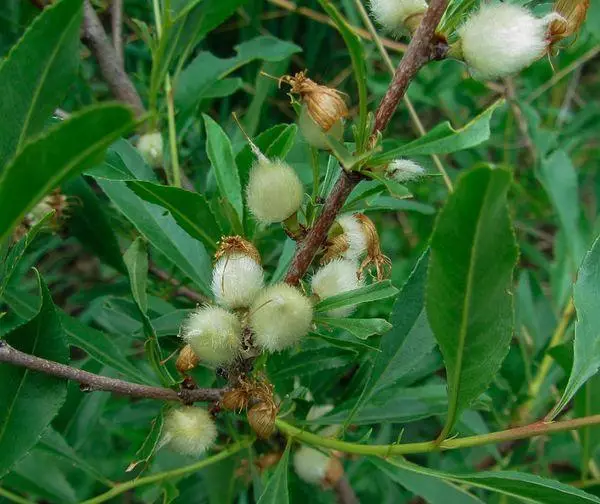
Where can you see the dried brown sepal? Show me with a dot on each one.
(261, 418)
(335, 247)
(375, 257)
(325, 105)
(572, 15)
(236, 244)
(54, 201)
(335, 472)
(235, 400)
(187, 360)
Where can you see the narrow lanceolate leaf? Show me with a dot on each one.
(37, 73)
(136, 260)
(469, 299)
(276, 491)
(361, 328)
(191, 210)
(586, 296)
(28, 400)
(63, 152)
(373, 292)
(526, 487)
(222, 159)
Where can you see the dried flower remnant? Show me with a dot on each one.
(187, 359)
(570, 16)
(375, 257)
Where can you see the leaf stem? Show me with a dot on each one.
(538, 380)
(524, 432)
(14, 497)
(181, 471)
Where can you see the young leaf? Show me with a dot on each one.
(191, 210)
(361, 328)
(444, 139)
(37, 73)
(28, 400)
(586, 296)
(373, 292)
(469, 299)
(276, 491)
(63, 152)
(220, 153)
(523, 486)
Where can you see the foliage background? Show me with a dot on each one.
(546, 134)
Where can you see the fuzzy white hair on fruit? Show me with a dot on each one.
(502, 39)
(150, 146)
(213, 333)
(279, 317)
(274, 191)
(392, 14)
(355, 236)
(336, 277)
(237, 280)
(311, 465)
(314, 134)
(404, 170)
(188, 430)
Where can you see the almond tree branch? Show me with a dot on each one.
(94, 382)
(422, 48)
(344, 492)
(116, 14)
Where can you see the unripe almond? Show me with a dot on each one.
(189, 430)
(150, 146)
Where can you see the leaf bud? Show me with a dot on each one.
(280, 316)
(187, 360)
(150, 146)
(237, 274)
(502, 39)
(316, 468)
(188, 430)
(404, 170)
(398, 15)
(213, 333)
(336, 277)
(274, 191)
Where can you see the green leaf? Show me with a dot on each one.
(373, 292)
(61, 153)
(285, 259)
(100, 347)
(557, 175)
(89, 223)
(586, 296)
(163, 232)
(150, 444)
(37, 73)
(28, 400)
(136, 260)
(408, 344)
(189, 209)
(357, 54)
(220, 153)
(276, 490)
(199, 78)
(528, 487)
(469, 298)
(361, 328)
(433, 489)
(444, 139)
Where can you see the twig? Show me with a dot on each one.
(94, 382)
(116, 13)
(119, 82)
(323, 18)
(420, 51)
(181, 290)
(344, 492)
(511, 96)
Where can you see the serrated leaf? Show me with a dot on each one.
(586, 296)
(36, 74)
(361, 328)
(63, 152)
(528, 487)
(29, 400)
(190, 210)
(373, 292)
(276, 490)
(469, 299)
(444, 139)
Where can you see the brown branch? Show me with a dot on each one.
(94, 382)
(344, 492)
(423, 48)
(94, 36)
(116, 15)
